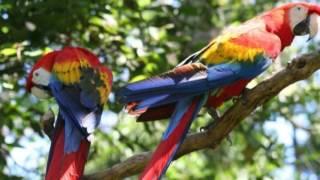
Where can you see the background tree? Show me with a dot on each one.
(137, 39)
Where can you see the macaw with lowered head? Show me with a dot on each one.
(232, 60)
(80, 85)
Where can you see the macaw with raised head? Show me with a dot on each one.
(80, 85)
(233, 59)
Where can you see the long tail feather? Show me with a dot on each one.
(66, 166)
(186, 111)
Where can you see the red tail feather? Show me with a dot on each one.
(165, 151)
(67, 166)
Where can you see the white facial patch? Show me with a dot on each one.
(313, 26)
(297, 14)
(39, 93)
(41, 77)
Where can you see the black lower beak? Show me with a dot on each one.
(302, 28)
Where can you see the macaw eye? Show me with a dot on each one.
(296, 15)
(41, 77)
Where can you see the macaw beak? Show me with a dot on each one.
(314, 12)
(307, 26)
(41, 92)
(310, 24)
(313, 26)
(302, 28)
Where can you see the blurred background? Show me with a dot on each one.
(138, 39)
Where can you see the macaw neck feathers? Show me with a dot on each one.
(277, 22)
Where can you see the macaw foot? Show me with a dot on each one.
(215, 115)
(243, 98)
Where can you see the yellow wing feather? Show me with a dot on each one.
(104, 90)
(69, 71)
(222, 49)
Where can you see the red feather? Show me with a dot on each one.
(226, 93)
(167, 147)
(66, 166)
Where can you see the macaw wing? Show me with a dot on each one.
(79, 66)
(183, 75)
(165, 90)
(243, 47)
(239, 43)
(80, 121)
(80, 86)
(82, 100)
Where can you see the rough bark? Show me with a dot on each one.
(47, 123)
(299, 69)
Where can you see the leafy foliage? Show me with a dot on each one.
(137, 39)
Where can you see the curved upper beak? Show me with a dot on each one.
(313, 26)
(314, 12)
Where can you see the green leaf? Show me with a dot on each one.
(8, 51)
(143, 3)
(138, 78)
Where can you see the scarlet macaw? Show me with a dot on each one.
(80, 86)
(234, 58)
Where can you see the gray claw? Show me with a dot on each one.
(215, 115)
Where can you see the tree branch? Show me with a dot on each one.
(47, 123)
(300, 68)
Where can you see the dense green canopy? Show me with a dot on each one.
(137, 39)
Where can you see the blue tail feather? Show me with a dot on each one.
(185, 112)
(174, 121)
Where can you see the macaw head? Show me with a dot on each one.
(39, 77)
(293, 19)
(303, 18)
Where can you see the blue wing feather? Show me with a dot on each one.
(80, 121)
(170, 89)
(159, 86)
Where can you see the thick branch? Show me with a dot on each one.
(300, 68)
